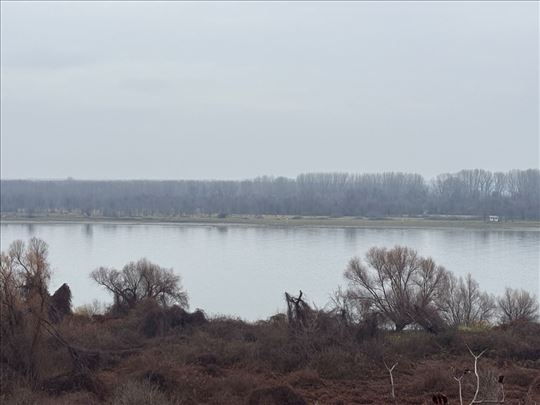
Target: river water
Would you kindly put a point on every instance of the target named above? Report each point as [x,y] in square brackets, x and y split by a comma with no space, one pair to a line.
[244,270]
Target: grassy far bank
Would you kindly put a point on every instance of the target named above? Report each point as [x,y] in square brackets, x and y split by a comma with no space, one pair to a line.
[288,220]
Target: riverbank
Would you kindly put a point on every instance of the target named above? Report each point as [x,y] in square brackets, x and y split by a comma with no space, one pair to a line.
[288,220]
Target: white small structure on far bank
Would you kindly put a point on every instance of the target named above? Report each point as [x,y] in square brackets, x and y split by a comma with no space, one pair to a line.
[494,218]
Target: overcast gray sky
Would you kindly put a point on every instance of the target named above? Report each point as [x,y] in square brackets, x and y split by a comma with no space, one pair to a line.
[170,90]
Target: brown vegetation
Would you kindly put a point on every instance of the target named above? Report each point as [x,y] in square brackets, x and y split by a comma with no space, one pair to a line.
[158,353]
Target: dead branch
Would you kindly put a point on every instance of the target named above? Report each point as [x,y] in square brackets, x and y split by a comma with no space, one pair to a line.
[390,371]
[459,379]
[439,399]
[298,311]
[476,357]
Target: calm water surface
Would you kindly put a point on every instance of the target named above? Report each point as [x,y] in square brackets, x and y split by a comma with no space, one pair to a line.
[244,270]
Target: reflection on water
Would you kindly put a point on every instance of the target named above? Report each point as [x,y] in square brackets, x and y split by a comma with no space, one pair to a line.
[223,267]
[89,230]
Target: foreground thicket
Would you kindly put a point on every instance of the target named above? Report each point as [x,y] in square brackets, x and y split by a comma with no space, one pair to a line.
[514,194]
[148,349]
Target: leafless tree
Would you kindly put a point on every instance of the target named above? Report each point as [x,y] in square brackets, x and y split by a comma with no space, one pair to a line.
[28,264]
[517,305]
[397,283]
[461,303]
[141,280]
[24,277]
[345,304]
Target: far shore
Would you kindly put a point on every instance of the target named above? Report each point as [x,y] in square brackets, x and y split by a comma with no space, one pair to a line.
[287,220]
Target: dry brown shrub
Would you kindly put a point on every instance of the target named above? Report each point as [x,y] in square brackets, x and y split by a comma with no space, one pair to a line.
[238,385]
[28,397]
[281,358]
[279,395]
[533,392]
[305,379]
[489,386]
[22,395]
[156,320]
[232,329]
[520,377]
[73,398]
[107,335]
[413,344]
[431,378]
[223,352]
[335,363]
[511,344]
[74,382]
[138,393]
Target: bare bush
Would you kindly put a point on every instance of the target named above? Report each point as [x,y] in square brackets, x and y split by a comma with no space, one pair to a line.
[92,309]
[397,283]
[517,305]
[139,281]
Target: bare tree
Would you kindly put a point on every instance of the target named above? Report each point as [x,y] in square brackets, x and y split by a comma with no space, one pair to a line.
[141,280]
[28,263]
[517,305]
[397,283]
[461,303]
[24,276]
[345,304]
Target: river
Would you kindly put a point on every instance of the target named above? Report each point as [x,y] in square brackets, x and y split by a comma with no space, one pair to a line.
[243,270]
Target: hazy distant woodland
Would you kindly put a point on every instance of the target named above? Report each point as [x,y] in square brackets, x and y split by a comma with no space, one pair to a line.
[512,195]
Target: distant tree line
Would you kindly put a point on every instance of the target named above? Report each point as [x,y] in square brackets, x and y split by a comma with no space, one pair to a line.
[514,195]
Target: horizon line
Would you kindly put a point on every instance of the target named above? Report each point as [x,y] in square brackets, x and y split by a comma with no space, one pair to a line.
[271,176]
